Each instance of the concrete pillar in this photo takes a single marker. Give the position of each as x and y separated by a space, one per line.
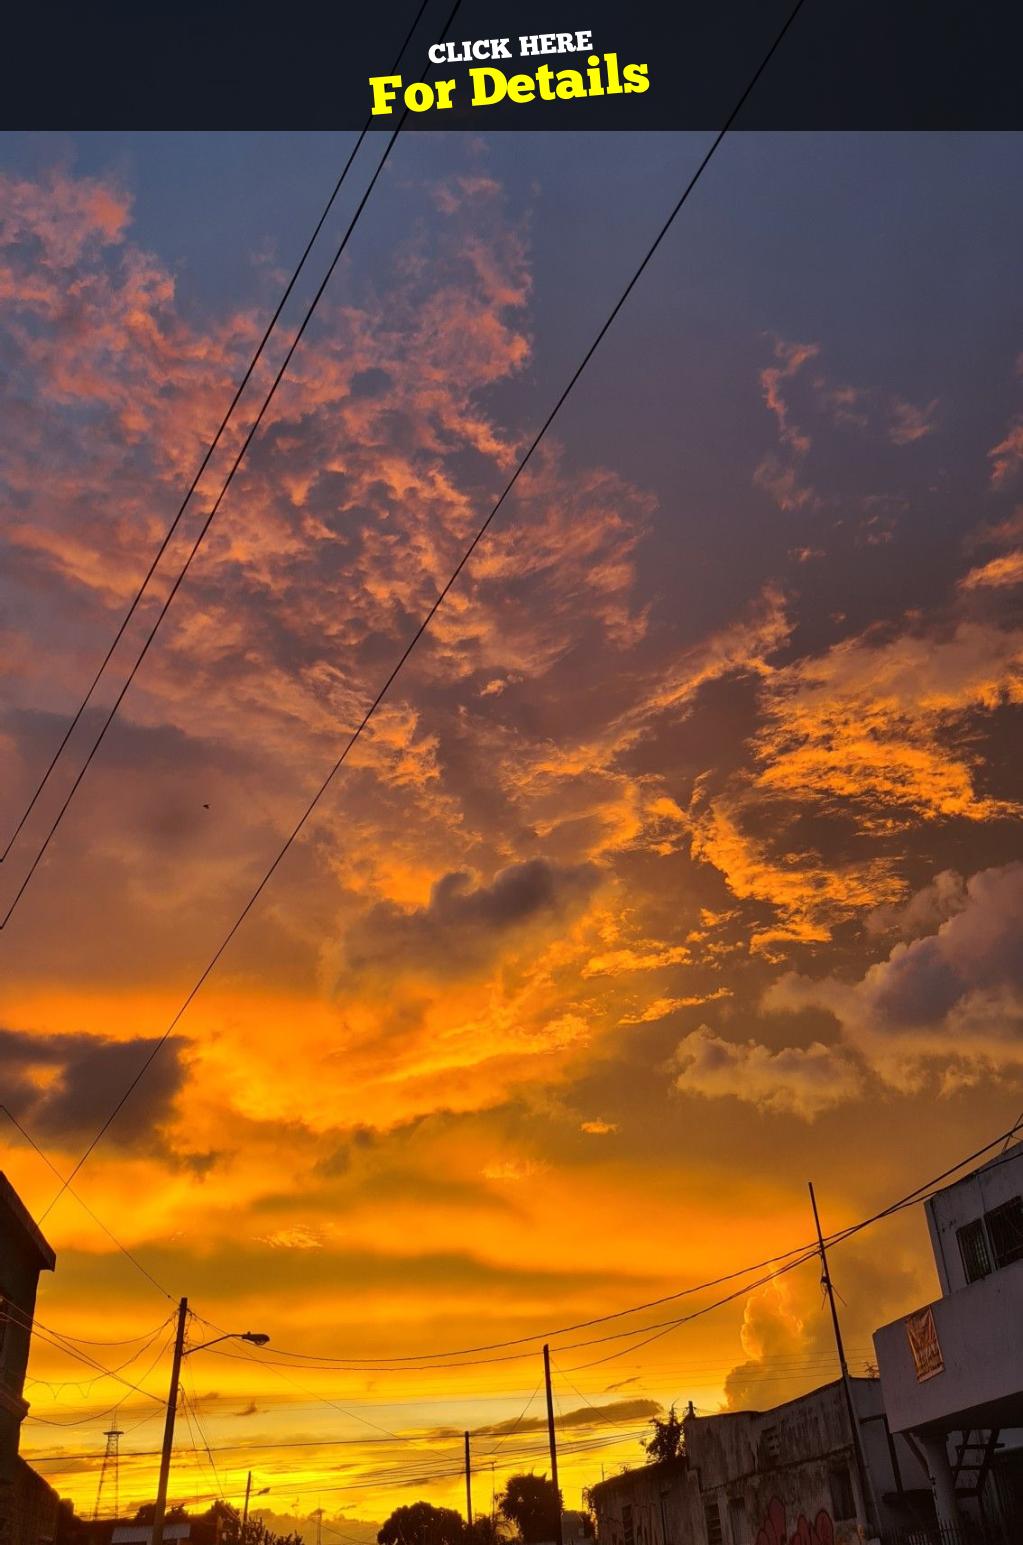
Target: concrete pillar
940 1471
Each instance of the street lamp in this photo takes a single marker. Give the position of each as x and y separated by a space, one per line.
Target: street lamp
256 1338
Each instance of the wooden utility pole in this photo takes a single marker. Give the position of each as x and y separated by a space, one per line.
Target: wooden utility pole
168 1426
554 1445
865 1501
468 1484
245 1509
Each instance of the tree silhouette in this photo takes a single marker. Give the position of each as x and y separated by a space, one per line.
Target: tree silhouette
488 1531
669 1439
221 1524
173 1515
422 1524
533 1506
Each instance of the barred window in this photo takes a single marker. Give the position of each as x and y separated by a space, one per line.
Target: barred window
738 1520
1005 1231
712 1516
973 1249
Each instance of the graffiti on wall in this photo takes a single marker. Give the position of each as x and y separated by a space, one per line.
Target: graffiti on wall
774 1529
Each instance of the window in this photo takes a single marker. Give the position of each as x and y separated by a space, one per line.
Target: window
770 1448
738 1522
1005 1231
712 1518
843 1503
973 1249
627 1524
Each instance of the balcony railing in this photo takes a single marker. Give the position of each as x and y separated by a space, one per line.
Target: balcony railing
968 1532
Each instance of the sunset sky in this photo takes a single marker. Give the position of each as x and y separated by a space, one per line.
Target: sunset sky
681 865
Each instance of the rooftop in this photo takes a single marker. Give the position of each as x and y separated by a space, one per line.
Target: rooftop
13 1210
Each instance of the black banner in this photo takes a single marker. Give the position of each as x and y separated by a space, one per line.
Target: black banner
885 64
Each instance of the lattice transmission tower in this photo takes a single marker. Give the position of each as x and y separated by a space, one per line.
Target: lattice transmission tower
109 1472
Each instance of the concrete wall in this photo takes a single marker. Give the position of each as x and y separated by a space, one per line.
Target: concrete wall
35 1508
996 1182
979 1332
726 1446
664 1502
766 1475
23 1254
772 1471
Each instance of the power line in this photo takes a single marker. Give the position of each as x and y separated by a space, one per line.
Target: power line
370 1365
514 1427
50 1338
424 1361
125 1341
271 393
83 1204
72 726
648 1333
784 1369
192 1400
319 1399
661 1326
670 1325
87 1384
467 554
438 1470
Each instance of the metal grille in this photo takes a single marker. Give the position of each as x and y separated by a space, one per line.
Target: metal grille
1005 1231
973 1249
712 1516
964 1533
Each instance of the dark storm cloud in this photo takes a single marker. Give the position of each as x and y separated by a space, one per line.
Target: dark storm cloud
462 924
64 1086
583 1416
951 1000
980 948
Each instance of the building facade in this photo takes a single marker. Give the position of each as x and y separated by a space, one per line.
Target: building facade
28 1506
952 1371
792 1473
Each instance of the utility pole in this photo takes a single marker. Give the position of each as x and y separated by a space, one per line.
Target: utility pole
245 1509
468 1484
866 1499
168 1427
553 1443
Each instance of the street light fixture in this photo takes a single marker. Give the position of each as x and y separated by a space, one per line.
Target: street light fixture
254 1337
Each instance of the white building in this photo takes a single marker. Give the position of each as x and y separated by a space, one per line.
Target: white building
952 1372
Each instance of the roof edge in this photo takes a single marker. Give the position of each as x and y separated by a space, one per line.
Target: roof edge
12 1203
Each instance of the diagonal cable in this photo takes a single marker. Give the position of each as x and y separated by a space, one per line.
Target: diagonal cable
172 528
428 618
161 614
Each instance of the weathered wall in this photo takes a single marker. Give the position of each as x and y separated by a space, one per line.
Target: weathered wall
35 1508
664 1503
23 1252
962 1203
982 1381
769 1477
